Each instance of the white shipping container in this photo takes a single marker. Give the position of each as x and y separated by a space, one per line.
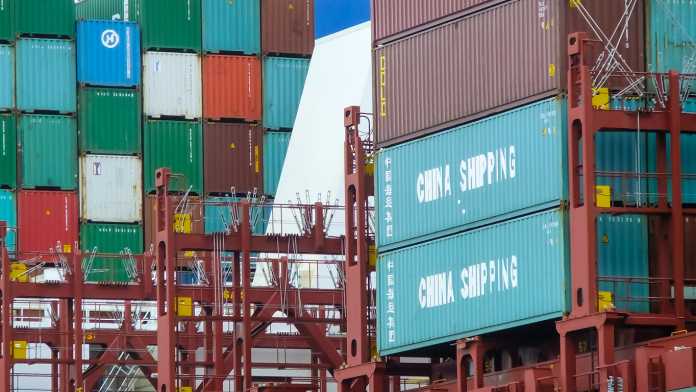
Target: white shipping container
172 85
111 188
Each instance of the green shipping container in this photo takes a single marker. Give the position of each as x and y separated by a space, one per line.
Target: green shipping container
45 18
622 253
170 24
111 239
178 146
489 279
671 34
275 147
104 10
110 121
8 151
48 148
6 21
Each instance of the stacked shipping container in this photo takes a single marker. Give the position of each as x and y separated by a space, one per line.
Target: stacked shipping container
82 120
472 166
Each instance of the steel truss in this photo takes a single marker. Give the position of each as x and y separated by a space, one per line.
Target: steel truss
665 363
225 320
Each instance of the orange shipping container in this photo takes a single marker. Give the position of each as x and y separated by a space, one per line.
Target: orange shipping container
232 87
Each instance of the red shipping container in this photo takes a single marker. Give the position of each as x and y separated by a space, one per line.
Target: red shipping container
287 27
392 19
232 87
46 219
191 217
233 156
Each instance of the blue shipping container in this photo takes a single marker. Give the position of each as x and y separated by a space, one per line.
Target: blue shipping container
622 253
46 77
275 147
283 82
108 53
8 213
497 277
506 164
6 77
232 26
670 37
218 216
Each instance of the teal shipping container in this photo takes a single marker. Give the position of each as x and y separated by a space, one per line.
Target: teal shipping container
509 274
511 163
111 239
275 147
177 145
623 260
218 215
7 91
283 82
8 214
232 26
46 75
671 36
8 151
48 149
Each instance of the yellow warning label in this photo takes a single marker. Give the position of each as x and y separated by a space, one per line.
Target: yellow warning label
605 301
182 223
382 86
603 196
552 70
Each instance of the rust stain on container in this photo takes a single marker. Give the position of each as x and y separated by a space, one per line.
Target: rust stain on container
190 217
232 87
47 220
484 63
233 158
390 18
287 27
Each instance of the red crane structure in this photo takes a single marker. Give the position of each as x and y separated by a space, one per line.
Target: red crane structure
595 347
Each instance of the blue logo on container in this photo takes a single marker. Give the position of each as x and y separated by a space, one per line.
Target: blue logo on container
110 38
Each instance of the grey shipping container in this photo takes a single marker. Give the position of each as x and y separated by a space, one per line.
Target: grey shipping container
485 63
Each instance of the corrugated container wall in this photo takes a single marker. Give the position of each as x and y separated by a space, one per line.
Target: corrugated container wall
46 219
177 145
108 53
111 188
7 33
391 17
283 82
8 214
232 26
170 24
287 27
487 169
46 18
622 260
8 151
510 274
275 147
232 87
426 82
172 84
113 239
46 77
218 215
48 151
233 158
105 10
7 92
190 214
110 121
670 37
